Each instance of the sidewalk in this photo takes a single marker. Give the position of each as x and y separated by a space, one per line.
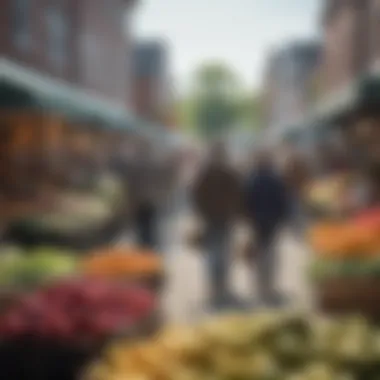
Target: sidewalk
186 290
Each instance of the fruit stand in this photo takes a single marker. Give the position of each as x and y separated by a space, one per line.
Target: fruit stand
58 309
346 268
53 178
62 210
263 345
65 290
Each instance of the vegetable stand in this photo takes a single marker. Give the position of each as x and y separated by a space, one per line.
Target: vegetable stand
346 267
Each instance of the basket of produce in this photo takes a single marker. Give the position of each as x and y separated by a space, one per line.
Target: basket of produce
52 332
346 269
21 271
126 263
258 346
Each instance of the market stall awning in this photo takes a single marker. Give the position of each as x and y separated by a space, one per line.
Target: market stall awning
326 112
337 104
360 95
52 94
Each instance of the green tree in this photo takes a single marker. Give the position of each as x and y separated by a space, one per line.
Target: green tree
217 103
214 104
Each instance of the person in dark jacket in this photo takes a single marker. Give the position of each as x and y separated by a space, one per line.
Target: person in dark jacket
143 194
217 199
267 208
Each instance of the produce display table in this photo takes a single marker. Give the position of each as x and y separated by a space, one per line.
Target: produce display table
73 217
346 267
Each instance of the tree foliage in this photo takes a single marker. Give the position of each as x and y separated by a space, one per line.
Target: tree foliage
215 105
218 102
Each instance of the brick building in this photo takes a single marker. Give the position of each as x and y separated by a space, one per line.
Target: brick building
80 42
349 41
41 34
103 51
151 85
348 101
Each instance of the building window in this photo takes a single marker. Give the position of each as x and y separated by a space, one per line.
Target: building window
21 23
57 26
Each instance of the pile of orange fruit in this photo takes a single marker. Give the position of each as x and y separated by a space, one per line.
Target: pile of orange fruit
124 262
354 238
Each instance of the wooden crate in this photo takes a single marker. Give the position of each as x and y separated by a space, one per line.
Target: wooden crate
350 295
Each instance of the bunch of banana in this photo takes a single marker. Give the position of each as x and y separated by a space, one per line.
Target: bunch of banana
263 346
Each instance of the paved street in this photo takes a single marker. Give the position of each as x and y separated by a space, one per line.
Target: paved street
186 290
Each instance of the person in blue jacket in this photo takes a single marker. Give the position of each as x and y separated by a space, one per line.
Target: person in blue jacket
267 207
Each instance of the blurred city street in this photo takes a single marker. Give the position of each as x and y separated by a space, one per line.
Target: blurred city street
155 174
186 289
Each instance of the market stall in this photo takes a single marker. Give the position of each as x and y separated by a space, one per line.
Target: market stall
57 189
65 290
59 309
346 265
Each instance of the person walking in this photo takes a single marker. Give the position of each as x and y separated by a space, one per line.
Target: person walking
143 196
217 196
267 207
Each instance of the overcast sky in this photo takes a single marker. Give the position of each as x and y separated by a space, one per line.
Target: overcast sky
239 32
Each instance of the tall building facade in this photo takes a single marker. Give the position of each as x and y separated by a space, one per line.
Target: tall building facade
103 49
350 72
81 42
345 43
289 83
41 34
351 41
